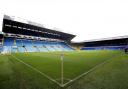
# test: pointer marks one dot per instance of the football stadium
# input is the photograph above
(35, 57)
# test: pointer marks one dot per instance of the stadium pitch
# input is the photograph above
(49, 70)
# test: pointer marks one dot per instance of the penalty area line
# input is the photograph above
(43, 74)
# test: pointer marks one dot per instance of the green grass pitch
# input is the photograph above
(100, 69)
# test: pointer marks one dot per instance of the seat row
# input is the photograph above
(24, 45)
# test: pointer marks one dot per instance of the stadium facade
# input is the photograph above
(18, 35)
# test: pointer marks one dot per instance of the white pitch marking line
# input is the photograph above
(38, 71)
(87, 72)
(63, 85)
(62, 68)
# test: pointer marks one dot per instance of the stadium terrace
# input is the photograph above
(30, 37)
(19, 35)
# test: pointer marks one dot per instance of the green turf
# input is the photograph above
(16, 75)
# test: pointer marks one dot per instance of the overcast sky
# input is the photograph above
(88, 19)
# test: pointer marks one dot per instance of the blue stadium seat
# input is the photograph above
(8, 42)
(1, 49)
(119, 47)
(21, 49)
(19, 42)
(29, 46)
(24, 45)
